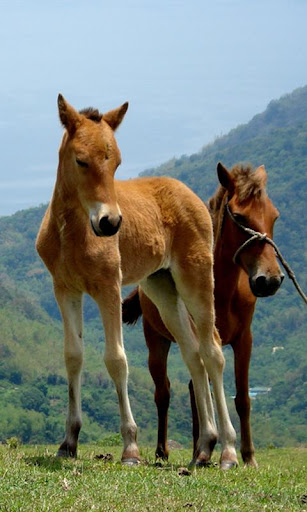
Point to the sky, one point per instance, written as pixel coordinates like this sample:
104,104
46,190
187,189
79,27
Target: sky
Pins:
190,69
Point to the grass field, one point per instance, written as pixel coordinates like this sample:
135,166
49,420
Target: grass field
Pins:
33,479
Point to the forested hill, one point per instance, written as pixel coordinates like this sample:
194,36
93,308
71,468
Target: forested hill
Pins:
32,376
276,138
285,113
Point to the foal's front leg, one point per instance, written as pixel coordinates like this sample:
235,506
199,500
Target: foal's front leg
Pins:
70,304
116,363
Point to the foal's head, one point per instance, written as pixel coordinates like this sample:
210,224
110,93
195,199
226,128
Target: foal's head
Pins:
243,189
89,157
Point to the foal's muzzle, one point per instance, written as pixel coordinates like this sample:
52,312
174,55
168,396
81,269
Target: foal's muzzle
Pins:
108,226
263,286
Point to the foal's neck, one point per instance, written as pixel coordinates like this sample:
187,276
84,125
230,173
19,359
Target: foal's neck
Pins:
66,207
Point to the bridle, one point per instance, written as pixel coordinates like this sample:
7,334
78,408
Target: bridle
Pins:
261,237
254,235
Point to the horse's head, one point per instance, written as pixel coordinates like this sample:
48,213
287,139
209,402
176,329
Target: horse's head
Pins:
248,206
89,157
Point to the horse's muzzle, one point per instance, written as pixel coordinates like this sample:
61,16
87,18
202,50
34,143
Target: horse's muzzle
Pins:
264,286
108,226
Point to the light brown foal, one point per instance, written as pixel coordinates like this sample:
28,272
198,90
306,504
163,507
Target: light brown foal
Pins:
98,234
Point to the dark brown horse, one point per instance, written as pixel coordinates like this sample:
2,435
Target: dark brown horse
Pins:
245,268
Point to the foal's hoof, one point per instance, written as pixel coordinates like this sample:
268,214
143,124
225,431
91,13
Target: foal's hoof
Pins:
225,465
131,461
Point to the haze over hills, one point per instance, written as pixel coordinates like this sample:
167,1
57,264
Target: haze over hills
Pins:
32,375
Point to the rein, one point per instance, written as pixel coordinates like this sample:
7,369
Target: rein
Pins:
262,237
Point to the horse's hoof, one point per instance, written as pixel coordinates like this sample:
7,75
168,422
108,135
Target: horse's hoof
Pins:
201,459
249,459
204,464
225,465
161,457
199,463
132,461
65,454
161,462
251,463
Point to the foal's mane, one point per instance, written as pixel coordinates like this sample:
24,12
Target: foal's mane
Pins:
249,184
91,113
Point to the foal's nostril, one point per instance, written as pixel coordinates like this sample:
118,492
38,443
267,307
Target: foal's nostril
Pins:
109,226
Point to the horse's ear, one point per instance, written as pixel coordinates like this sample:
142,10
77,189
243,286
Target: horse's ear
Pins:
115,117
261,172
68,115
225,178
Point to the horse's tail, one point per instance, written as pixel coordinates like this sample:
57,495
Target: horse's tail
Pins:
131,308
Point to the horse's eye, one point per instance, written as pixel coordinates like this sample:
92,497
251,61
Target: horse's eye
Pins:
81,163
239,218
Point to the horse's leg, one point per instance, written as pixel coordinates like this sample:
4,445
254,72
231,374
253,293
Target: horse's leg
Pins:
70,304
116,363
196,290
158,347
161,290
242,352
195,422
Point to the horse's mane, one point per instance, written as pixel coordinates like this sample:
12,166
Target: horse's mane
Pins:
248,181
248,184
91,113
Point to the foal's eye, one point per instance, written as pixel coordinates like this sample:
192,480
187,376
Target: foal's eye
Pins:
81,163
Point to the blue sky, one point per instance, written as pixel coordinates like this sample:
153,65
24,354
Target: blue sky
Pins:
191,70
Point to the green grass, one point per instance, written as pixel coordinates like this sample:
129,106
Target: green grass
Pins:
33,479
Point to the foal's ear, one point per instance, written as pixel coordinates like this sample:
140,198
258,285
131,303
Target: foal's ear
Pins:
68,115
115,117
261,172
225,178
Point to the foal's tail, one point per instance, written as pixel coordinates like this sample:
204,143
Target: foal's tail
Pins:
131,308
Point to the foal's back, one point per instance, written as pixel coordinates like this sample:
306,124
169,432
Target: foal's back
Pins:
160,215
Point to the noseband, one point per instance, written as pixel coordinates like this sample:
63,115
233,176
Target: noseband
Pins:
261,237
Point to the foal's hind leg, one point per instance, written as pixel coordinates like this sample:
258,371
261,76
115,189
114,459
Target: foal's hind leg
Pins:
194,281
195,422
161,290
158,347
70,304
